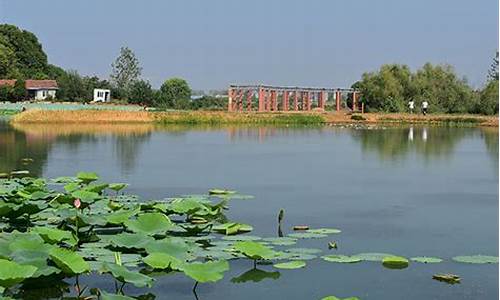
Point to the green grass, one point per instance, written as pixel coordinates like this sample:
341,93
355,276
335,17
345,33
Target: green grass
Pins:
9,112
204,118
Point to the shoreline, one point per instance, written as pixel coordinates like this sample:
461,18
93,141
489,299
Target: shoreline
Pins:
235,118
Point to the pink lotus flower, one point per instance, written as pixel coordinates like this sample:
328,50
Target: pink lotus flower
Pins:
77,203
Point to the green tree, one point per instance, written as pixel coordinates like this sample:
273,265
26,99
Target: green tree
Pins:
8,61
141,93
493,72
71,87
5,93
174,93
386,90
441,87
19,92
125,70
30,58
488,99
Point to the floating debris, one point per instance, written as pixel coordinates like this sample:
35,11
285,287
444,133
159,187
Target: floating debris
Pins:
300,227
448,278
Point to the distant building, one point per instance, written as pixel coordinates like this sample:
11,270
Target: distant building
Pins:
37,89
41,89
102,95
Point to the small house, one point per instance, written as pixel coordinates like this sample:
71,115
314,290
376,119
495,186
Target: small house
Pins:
102,95
36,89
41,89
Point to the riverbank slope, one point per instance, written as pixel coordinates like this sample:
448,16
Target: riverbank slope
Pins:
215,118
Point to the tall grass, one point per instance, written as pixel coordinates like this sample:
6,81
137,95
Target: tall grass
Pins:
221,118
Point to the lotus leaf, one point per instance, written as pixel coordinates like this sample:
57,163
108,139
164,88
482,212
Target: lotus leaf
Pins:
281,241
71,187
206,272
85,196
255,275
477,259
426,260
106,296
341,258
324,230
185,206
304,250
54,235
241,238
117,186
122,274
12,273
395,262
87,177
159,260
173,246
297,264
373,256
150,223
121,216
254,250
68,261
131,240
220,192
307,235
232,228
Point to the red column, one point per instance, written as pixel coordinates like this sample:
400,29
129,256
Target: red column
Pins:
337,100
321,100
268,100
249,100
285,101
240,100
261,99
296,101
274,100
306,105
354,106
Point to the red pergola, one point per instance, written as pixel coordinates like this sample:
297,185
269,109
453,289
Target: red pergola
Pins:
269,98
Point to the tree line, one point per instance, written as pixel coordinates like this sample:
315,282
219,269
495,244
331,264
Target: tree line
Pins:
387,90
391,88
22,57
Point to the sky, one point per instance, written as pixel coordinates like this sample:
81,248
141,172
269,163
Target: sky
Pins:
214,43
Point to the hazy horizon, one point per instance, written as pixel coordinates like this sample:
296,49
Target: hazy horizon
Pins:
214,43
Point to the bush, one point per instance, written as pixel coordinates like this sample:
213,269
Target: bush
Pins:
488,99
174,93
5,93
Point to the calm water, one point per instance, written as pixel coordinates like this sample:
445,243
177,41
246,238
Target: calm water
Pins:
408,191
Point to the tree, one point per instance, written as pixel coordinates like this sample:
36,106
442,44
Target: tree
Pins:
488,99
141,93
30,58
5,93
386,90
174,93
8,61
441,87
493,72
19,92
125,70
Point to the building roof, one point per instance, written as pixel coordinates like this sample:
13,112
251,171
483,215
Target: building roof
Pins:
41,84
10,82
31,84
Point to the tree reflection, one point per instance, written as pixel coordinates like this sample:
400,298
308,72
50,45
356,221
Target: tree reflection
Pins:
398,143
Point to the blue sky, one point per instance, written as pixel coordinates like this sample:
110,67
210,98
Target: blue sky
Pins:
213,43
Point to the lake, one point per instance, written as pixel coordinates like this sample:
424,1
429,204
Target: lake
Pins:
410,191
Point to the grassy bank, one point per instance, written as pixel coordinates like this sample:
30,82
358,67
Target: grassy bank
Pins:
225,118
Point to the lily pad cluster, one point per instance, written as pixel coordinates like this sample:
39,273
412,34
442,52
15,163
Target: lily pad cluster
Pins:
61,228
52,230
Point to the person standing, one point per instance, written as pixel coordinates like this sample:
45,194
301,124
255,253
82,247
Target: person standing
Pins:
425,105
411,106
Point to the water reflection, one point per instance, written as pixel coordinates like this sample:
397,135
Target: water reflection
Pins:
38,140
398,143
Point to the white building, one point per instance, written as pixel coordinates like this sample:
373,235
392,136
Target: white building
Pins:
102,95
41,89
